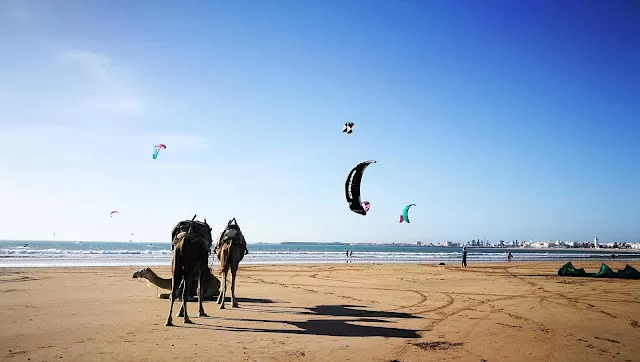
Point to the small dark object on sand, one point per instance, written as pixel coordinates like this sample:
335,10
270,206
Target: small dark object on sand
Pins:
441,264
438,345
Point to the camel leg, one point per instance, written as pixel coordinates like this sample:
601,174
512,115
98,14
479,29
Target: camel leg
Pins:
181,312
175,279
185,296
201,312
218,300
221,292
172,298
234,302
224,290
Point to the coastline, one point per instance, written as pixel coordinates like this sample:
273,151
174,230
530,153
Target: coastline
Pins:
44,264
48,254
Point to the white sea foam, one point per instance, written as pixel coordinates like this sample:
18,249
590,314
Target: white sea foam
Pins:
138,254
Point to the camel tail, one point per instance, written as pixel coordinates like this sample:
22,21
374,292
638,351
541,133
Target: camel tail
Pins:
224,259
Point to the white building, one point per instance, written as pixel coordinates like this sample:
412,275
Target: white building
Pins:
595,243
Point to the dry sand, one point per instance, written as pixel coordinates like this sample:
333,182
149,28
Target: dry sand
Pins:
496,312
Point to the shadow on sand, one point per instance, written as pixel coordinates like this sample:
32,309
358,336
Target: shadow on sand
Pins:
352,311
355,327
226,300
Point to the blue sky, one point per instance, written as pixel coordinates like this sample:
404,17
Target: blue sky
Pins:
499,119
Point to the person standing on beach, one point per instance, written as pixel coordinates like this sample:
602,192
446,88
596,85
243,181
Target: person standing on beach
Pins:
464,256
509,257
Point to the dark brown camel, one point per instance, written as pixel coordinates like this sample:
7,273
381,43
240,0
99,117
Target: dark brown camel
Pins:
190,256
231,248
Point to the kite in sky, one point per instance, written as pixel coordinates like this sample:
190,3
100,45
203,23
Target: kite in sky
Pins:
405,214
348,127
157,148
352,188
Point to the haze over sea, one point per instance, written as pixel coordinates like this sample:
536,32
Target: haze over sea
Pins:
69,253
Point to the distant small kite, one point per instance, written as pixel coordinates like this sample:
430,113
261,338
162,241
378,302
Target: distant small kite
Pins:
348,127
113,212
157,148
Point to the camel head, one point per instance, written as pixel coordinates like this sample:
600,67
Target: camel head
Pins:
141,273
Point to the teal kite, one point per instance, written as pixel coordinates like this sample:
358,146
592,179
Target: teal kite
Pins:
405,214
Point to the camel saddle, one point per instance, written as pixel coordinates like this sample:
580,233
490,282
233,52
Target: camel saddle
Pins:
231,233
199,229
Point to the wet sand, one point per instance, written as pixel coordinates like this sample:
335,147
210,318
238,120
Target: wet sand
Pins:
340,312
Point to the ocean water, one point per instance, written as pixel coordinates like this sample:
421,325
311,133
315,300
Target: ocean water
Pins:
52,254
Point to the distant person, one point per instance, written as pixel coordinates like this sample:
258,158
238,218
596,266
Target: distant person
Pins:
464,256
613,256
509,257
347,253
350,253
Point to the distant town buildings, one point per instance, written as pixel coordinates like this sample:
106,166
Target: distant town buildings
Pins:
534,244
566,244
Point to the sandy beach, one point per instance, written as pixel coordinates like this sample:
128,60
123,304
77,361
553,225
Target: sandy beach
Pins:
340,312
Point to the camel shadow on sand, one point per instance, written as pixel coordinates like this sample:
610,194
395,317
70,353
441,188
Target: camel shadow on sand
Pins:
356,326
193,299
352,311
250,300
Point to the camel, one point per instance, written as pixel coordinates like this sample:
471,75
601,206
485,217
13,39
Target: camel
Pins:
231,248
198,228
190,256
211,284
